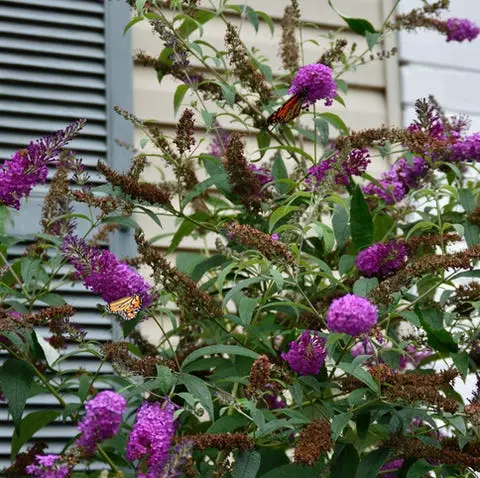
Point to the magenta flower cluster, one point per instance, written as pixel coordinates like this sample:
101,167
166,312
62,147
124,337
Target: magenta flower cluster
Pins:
102,273
262,174
45,466
351,315
151,436
102,419
306,354
395,183
29,167
381,260
315,81
460,29
466,149
355,164
391,468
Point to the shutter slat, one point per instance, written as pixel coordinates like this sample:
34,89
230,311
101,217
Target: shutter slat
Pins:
92,6
46,127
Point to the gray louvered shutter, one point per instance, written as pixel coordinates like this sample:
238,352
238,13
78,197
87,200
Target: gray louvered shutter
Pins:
61,60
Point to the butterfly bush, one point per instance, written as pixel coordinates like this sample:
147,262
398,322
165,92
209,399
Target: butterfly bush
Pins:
302,314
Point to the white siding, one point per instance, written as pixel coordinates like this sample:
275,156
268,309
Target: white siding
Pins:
449,71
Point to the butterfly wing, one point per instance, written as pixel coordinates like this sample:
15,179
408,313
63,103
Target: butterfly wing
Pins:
288,111
126,307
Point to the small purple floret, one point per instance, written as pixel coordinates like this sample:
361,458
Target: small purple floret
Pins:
45,467
307,354
351,315
392,467
315,81
102,420
460,29
466,149
382,260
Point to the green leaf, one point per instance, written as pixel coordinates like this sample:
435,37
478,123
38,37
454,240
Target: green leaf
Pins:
371,463
247,464
179,95
335,121
241,285
342,85
363,422
151,215
219,349
372,39
361,223
440,340
52,299
467,200
364,286
29,426
208,118
291,471
51,354
458,423
186,228
346,464
246,308
190,24
278,214
279,172
30,270
215,169
422,226
341,228
229,93
361,374
228,423
16,378
83,386
268,20
359,26
461,362
122,220
346,263
263,140
472,234
339,422
199,189
198,388
322,128
164,379
419,469
132,22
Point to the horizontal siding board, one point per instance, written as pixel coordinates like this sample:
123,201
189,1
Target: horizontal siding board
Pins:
370,74
454,90
92,6
46,31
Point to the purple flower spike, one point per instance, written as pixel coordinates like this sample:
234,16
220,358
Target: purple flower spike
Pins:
29,167
103,274
151,436
460,29
392,467
306,355
102,420
351,315
381,260
262,174
467,149
45,467
316,82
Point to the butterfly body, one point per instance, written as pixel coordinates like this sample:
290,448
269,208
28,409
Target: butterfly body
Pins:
288,111
126,307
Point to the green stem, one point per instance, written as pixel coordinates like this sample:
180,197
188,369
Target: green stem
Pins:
114,467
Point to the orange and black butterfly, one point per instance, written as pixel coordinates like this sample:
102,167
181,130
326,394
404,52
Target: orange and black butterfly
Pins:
288,111
127,307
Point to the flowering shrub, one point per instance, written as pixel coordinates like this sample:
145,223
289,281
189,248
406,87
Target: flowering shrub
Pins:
323,330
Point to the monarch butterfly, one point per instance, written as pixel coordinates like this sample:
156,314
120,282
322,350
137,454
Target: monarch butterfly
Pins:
126,307
288,111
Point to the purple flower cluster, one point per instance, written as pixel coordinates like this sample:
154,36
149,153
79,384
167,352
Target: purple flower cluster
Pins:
351,315
102,273
392,467
354,165
315,81
395,183
177,458
381,260
413,356
262,174
45,467
151,436
307,354
28,167
273,400
218,145
466,149
460,29
102,420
